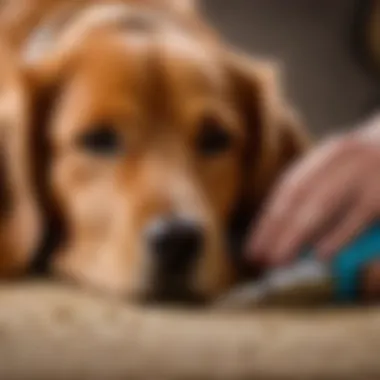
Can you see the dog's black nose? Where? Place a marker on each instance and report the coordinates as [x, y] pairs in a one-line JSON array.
[[175, 243]]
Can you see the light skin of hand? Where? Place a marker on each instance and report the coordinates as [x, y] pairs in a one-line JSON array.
[[336, 184]]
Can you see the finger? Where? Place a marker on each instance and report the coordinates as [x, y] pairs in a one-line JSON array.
[[361, 213], [325, 203], [324, 200], [350, 227], [292, 191], [275, 215]]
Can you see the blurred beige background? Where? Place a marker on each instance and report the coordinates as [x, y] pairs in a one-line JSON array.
[[312, 40]]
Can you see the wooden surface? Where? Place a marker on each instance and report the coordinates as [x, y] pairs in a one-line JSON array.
[[58, 333]]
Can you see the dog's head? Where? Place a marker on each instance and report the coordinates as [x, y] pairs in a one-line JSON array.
[[146, 140]]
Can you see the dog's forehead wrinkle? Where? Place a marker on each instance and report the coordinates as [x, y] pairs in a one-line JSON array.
[[168, 73], [181, 49], [176, 71]]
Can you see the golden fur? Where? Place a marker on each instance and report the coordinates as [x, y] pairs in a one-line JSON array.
[[157, 75]]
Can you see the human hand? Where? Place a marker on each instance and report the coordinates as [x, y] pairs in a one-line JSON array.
[[336, 184]]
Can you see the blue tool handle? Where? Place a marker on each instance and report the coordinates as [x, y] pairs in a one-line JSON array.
[[347, 265]]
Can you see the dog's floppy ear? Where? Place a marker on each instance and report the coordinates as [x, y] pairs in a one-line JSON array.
[[24, 103], [275, 134], [20, 218]]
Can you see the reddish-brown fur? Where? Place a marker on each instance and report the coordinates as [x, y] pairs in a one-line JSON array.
[[155, 81]]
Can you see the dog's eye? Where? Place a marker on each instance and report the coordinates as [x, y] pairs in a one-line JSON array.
[[101, 141], [213, 138]]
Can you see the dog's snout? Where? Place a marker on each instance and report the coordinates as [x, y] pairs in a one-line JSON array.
[[176, 243]]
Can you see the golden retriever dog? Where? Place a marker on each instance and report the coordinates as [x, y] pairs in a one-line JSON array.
[[133, 134]]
